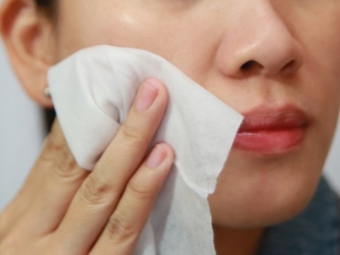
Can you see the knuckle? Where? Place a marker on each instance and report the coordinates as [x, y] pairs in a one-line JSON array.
[[9, 246], [51, 148], [118, 228], [133, 136], [140, 191], [96, 191], [5, 219], [55, 141], [65, 166]]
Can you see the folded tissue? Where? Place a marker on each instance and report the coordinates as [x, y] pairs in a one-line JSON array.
[[92, 91]]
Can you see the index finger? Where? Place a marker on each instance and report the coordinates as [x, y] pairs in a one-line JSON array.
[[101, 191], [53, 145]]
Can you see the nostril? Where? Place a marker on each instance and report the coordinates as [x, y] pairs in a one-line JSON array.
[[248, 65], [289, 65]]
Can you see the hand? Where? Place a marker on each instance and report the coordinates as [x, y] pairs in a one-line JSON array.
[[63, 209]]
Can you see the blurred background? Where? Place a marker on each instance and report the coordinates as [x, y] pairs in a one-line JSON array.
[[21, 136]]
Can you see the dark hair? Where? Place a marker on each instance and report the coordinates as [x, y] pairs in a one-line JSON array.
[[44, 3], [48, 7]]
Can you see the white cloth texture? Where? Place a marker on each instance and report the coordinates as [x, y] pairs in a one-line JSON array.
[[93, 90]]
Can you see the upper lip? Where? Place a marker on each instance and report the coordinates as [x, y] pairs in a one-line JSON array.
[[274, 118]]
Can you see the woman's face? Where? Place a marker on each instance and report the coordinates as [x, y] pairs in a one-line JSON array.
[[275, 61]]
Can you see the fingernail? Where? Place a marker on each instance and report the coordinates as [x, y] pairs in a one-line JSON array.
[[156, 157], [148, 94]]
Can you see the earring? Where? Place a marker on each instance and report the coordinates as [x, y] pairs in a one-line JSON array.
[[47, 92]]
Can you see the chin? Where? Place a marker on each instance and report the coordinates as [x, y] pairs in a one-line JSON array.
[[258, 193]]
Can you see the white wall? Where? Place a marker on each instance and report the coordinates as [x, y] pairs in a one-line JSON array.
[[332, 167], [20, 133]]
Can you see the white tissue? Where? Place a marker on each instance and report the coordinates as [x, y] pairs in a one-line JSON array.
[[92, 92]]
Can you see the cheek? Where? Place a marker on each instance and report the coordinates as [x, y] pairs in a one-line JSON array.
[[90, 24], [318, 32], [118, 24], [320, 74], [126, 24], [82, 26], [322, 86]]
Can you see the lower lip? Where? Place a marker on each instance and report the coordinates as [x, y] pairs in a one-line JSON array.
[[269, 141]]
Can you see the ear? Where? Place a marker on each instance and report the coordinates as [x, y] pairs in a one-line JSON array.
[[27, 35]]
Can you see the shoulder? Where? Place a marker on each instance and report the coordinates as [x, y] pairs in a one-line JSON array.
[[338, 207], [336, 199], [316, 230]]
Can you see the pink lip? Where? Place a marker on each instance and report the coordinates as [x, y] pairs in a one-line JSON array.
[[272, 130]]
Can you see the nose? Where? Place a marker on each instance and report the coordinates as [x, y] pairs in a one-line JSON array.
[[259, 43]]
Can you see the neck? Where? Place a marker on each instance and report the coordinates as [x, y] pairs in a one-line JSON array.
[[237, 241]]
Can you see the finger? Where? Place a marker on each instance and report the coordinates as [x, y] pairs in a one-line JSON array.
[[102, 190], [52, 186], [54, 142], [126, 223]]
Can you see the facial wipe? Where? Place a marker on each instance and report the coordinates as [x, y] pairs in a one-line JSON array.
[[92, 92]]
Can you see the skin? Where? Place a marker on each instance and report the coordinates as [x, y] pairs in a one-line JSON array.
[[294, 46]]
